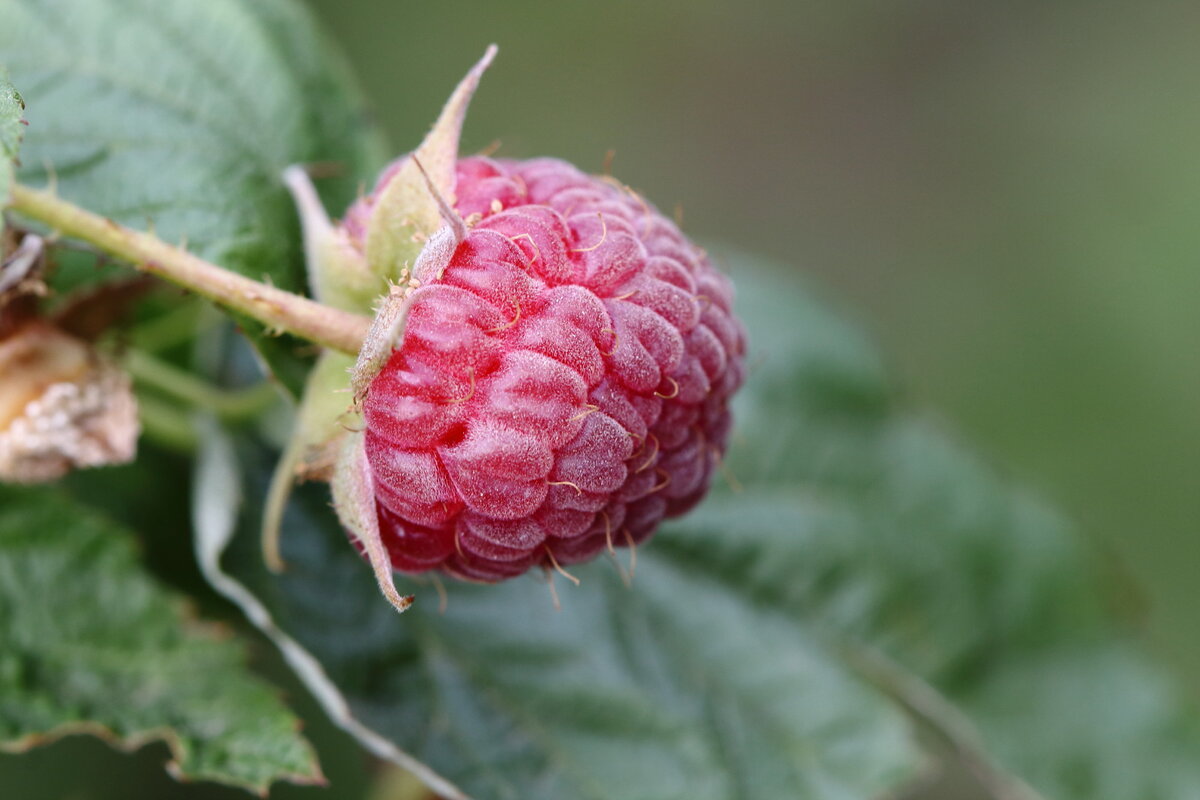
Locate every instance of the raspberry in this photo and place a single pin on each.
(561, 387)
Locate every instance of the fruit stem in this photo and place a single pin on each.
(276, 308)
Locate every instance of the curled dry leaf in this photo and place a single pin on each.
(62, 406)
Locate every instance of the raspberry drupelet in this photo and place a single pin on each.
(561, 387)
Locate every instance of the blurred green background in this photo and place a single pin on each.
(1006, 194)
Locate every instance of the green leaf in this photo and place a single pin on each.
(675, 688)
(11, 111)
(183, 115)
(867, 566)
(11, 131)
(873, 523)
(90, 643)
(1095, 720)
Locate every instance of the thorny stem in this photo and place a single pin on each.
(276, 308)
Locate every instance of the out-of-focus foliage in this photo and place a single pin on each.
(886, 531)
(675, 688)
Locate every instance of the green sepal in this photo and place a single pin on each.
(354, 499)
(406, 216)
(337, 270)
(405, 212)
(322, 419)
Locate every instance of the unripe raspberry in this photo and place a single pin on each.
(561, 386)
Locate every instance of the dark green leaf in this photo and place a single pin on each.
(676, 688)
(865, 550)
(89, 643)
(182, 115)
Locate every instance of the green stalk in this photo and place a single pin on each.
(278, 309)
(167, 425)
(231, 404)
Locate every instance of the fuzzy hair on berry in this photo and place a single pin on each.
(563, 384)
(547, 376)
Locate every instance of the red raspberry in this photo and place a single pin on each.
(560, 389)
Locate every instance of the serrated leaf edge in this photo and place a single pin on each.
(131, 743)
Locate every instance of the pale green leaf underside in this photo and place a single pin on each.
(182, 115)
(89, 642)
(11, 110)
(11, 130)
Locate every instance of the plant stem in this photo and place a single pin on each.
(276, 308)
(167, 425)
(173, 328)
(231, 404)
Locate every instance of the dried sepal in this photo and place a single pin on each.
(21, 271)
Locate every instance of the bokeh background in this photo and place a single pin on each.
(1006, 194)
